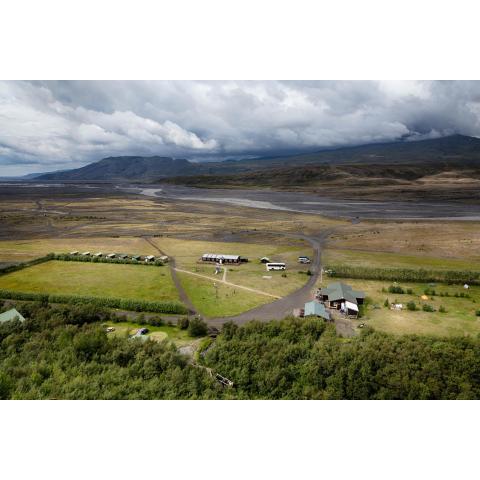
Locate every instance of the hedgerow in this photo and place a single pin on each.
(106, 302)
(65, 257)
(30, 263)
(405, 274)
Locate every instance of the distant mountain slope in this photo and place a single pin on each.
(129, 168)
(456, 150)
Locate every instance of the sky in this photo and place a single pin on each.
(56, 125)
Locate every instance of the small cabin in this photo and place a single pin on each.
(316, 309)
(222, 258)
(341, 296)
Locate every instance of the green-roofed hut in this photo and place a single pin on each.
(10, 315)
(342, 297)
(316, 308)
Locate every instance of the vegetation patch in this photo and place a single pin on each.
(405, 274)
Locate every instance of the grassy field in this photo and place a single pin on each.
(230, 301)
(165, 332)
(441, 239)
(95, 279)
(362, 258)
(187, 254)
(459, 318)
(22, 250)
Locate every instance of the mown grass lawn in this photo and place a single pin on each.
(230, 301)
(96, 279)
(164, 332)
(459, 318)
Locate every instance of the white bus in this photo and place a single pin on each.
(275, 266)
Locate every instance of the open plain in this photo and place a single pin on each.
(59, 218)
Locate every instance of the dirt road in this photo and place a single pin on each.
(173, 272)
(284, 306)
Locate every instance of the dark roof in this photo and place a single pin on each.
(341, 291)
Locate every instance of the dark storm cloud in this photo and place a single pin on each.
(50, 125)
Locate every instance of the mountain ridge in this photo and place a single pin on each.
(458, 150)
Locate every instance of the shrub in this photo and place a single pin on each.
(197, 327)
(411, 305)
(183, 323)
(477, 313)
(386, 303)
(427, 308)
(155, 321)
(409, 291)
(442, 309)
(396, 289)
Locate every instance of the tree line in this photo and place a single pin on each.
(62, 351)
(104, 302)
(405, 274)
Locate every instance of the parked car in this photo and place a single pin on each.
(303, 259)
(142, 331)
(110, 329)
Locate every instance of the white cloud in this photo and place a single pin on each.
(66, 124)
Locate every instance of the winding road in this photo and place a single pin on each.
(284, 306)
(279, 308)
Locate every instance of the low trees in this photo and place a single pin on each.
(197, 327)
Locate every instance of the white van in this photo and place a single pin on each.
(275, 266)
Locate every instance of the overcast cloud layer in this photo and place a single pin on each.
(56, 125)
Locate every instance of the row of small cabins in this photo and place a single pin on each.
(121, 256)
(336, 296)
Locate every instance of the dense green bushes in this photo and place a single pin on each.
(304, 359)
(396, 289)
(197, 327)
(62, 351)
(52, 355)
(106, 302)
(405, 274)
